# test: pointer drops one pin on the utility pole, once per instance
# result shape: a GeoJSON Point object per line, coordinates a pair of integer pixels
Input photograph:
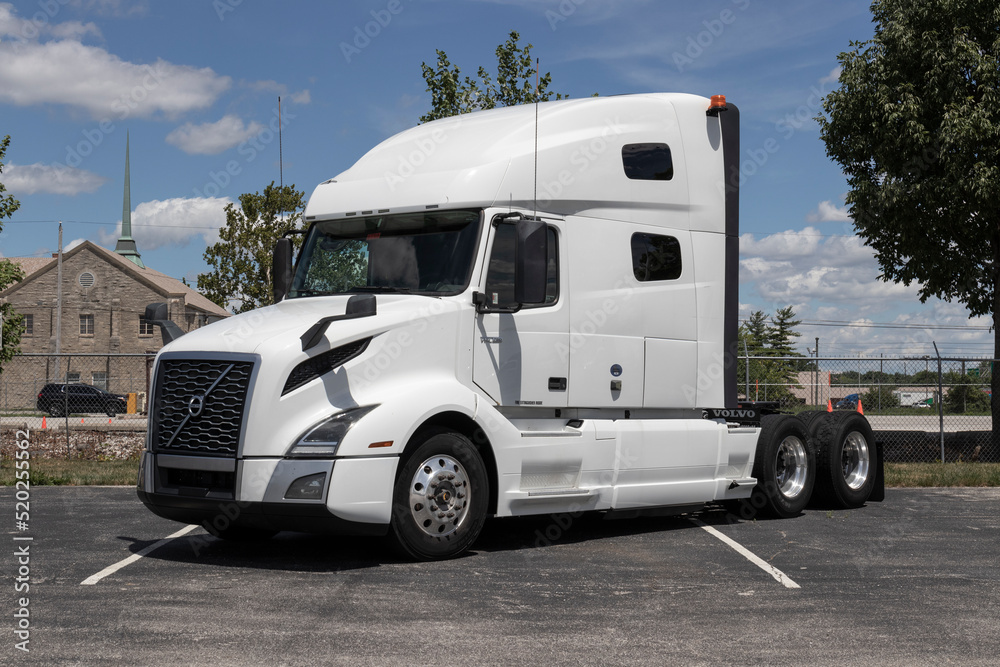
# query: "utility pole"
{"type": "Point", "coordinates": [58, 300]}
{"type": "Point", "coordinates": [816, 381]}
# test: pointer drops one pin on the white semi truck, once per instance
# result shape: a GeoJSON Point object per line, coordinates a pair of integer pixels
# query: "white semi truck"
{"type": "Point", "coordinates": [519, 311]}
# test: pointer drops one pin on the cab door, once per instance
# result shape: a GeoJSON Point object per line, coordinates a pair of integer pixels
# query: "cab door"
{"type": "Point", "coordinates": [521, 356]}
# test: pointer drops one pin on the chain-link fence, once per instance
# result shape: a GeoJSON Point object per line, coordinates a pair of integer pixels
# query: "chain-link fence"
{"type": "Point", "coordinates": [89, 405]}
{"type": "Point", "coordinates": [923, 409]}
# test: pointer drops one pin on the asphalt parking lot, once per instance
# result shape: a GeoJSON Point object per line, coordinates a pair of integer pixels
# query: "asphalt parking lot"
{"type": "Point", "coordinates": [913, 580]}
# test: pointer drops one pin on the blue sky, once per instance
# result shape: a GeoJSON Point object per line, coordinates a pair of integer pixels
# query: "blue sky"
{"type": "Point", "coordinates": [195, 84]}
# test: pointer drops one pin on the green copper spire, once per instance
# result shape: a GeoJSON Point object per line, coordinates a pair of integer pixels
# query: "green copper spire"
{"type": "Point", "coordinates": [126, 245]}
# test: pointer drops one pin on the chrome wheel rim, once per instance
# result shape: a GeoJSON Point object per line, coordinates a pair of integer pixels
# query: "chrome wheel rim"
{"type": "Point", "coordinates": [855, 460]}
{"type": "Point", "coordinates": [439, 496]}
{"type": "Point", "coordinates": [791, 467]}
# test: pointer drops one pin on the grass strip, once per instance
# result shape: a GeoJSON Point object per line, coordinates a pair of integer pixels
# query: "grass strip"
{"type": "Point", "coordinates": [916, 475]}
{"type": "Point", "coordinates": [73, 472]}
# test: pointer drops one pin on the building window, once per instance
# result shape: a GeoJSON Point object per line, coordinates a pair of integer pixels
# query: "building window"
{"type": "Point", "coordinates": [29, 325]}
{"type": "Point", "coordinates": [655, 257]}
{"type": "Point", "coordinates": [72, 378]}
{"type": "Point", "coordinates": [145, 327]}
{"type": "Point", "coordinates": [648, 162]}
{"type": "Point", "coordinates": [86, 325]}
{"type": "Point", "coordinates": [100, 380]}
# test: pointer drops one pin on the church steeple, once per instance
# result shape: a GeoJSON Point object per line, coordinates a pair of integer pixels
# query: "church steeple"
{"type": "Point", "coordinates": [126, 245]}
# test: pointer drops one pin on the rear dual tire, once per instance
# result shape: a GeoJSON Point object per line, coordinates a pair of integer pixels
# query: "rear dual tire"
{"type": "Point", "coordinates": [846, 459]}
{"type": "Point", "coordinates": [784, 466]}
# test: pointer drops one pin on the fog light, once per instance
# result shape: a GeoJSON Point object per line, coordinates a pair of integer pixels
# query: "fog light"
{"type": "Point", "coordinates": [309, 487]}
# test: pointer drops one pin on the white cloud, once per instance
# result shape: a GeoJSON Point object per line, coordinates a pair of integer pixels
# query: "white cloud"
{"type": "Point", "coordinates": [65, 71]}
{"type": "Point", "coordinates": [54, 179]}
{"type": "Point", "coordinates": [74, 30]}
{"type": "Point", "coordinates": [302, 97]}
{"type": "Point", "coordinates": [833, 76]}
{"type": "Point", "coordinates": [156, 223]}
{"type": "Point", "coordinates": [827, 211]}
{"type": "Point", "coordinates": [212, 138]}
{"type": "Point", "coordinates": [802, 266]}
{"type": "Point", "coordinates": [72, 244]}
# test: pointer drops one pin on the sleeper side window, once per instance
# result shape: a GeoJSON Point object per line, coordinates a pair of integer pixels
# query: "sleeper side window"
{"type": "Point", "coordinates": [500, 275]}
{"type": "Point", "coordinates": [648, 162]}
{"type": "Point", "coordinates": [655, 257]}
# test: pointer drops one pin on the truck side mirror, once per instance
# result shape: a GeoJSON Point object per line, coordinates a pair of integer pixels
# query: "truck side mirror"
{"type": "Point", "coordinates": [531, 258]}
{"type": "Point", "coordinates": [156, 314]}
{"type": "Point", "coordinates": [281, 269]}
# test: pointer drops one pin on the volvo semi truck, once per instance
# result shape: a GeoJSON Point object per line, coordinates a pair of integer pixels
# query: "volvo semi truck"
{"type": "Point", "coordinates": [512, 312]}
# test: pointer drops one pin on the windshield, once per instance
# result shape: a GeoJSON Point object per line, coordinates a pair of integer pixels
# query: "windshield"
{"type": "Point", "coordinates": [423, 253]}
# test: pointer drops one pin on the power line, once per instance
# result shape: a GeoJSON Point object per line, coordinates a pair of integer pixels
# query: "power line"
{"type": "Point", "coordinates": [95, 222]}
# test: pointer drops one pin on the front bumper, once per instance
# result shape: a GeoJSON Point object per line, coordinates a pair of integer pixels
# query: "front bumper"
{"type": "Point", "coordinates": [356, 497]}
{"type": "Point", "coordinates": [301, 517]}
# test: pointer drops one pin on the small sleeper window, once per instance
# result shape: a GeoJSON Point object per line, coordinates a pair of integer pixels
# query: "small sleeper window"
{"type": "Point", "coordinates": [648, 162]}
{"type": "Point", "coordinates": [655, 257]}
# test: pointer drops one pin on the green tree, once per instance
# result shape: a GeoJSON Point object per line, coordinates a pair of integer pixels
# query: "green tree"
{"type": "Point", "coordinates": [241, 260]}
{"type": "Point", "coordinates": [452, 95]}
{"type": "Point", "coordinates": [880, 397]}
{"type": "Point", "coordinates": [10, 273]}
{"type": "Point", "coordinates": [914, 125]}
{"type": "Point", "coordinates": [769, 339]}
{"type": "Point", "coordinates": [966, 393]}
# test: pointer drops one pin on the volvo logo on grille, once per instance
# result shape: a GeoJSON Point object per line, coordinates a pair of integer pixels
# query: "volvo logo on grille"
{"type": "Point", "coordinates": [196, 404]}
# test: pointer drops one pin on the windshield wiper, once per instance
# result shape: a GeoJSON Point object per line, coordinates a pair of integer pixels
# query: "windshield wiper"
{"type": "Point", "coordinates": [381, 288]}
{"type": "Point", "coordinates": [312, 292]}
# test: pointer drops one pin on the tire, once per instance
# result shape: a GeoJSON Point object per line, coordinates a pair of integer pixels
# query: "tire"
{"type": "Point", "coordinates": [109, 410]}
{"type": "Point", "coordinates": [847, 459]}
{"type": "Point", "coordinates": [440, 498]}
{"type": "Point", "coordinates": [240, 534]}
{"type": "Point", "coordinates": [785, 467]}
{"type": "Point", "coordinates": [810, 417]}
{"type": "Point", "coordinates": [55, 410]}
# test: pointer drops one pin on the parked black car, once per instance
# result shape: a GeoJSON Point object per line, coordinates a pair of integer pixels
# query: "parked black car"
{"type": "Point", "coordinates": [58, 399]}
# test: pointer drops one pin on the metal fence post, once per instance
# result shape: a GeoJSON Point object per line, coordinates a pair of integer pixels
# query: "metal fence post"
{"type": "Point", "coordinates": [940, 399]}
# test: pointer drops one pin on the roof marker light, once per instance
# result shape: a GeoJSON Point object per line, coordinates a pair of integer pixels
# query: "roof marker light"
{"type": "Point", "coordinates": [717, 104]}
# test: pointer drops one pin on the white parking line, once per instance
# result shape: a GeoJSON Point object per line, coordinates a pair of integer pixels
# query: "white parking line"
{"type": "Point", "coordinates": [780, 576]}
{"type": "Point", "coordinates": [111, 569]}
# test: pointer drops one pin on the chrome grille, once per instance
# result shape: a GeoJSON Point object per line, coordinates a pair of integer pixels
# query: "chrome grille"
{"type": "Point", "coordinates": [199, 406]}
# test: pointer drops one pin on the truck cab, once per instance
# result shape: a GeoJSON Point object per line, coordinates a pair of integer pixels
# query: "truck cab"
{"type": "Point", "coordinates": [511, 312]}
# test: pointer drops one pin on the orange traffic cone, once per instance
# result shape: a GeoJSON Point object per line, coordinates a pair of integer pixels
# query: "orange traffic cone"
{"type": "Point", "coordinates": [860, 407]}
{"type": "Point", "coordinates": [829, 405]}
{"type": "Point", "coordinates": [43, 423]}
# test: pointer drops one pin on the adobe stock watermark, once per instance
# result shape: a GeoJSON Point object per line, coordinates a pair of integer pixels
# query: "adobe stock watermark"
{"type": "Point", "coordinates": [249, 150]}
{"type": "Point", "coordinates": [583, 156]}
{"type": "Point", "coordinates": [562, 13]}
{"type": "Point", "coordinates": [31, 28]}
{"type": "Point", "coordinates": [364, 34]}
{"type": "Point", "coordinates": [122, 108]}
{"type": "Point", "coordinates": [754, 159]}
{"type": "Point", "coordinates": [703, 40]}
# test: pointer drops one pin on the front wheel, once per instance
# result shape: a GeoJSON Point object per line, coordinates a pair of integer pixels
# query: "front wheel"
{"type": "Point", "coordinates": [785, 466]}
{"type": "Point", "coordinates": [440, 498]}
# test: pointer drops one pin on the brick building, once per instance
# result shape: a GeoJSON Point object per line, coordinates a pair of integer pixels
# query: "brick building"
{"type": "Point", "coordinates": [104, 296]}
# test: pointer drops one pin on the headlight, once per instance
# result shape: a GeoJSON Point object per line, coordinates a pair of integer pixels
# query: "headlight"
{"type": "Point", "coordinates": [323, 439]}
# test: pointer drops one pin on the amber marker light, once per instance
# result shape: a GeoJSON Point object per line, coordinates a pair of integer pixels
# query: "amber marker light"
{"type": "Point", "coordinates": [375, 445]}
{"type": "Point", "coordinates": [717, 104]}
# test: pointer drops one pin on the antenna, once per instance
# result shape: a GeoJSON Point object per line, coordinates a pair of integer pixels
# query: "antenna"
{"type": "Point", "coordinates": [281, 166]}
{"type": "Point", "coordinates": [535, 196]}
